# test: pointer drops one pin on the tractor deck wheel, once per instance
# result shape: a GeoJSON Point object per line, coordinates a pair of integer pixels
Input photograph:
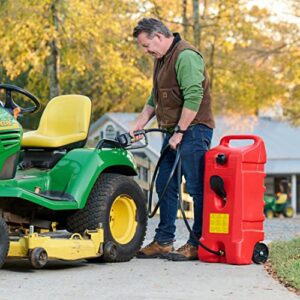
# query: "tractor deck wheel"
{"type": "Point", "coordinates": [4, 241]}
{"type": "Point", "coordinates": [38, 257]}
{"type": "Point", "coordinates": [119, 205]}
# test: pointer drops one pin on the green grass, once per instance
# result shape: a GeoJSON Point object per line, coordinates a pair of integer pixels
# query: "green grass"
{"type": "Point", "coordinates": [285, 260]}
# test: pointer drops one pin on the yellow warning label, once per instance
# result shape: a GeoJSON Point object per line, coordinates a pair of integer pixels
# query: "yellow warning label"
{"type": "Point", "coordinates": [219, 223]}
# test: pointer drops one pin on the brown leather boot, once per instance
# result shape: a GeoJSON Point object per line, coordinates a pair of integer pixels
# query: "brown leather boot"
{"type": "Point", "coordinates": [154, 250]}
{"type": "Point", "coordinates": [183, 253]}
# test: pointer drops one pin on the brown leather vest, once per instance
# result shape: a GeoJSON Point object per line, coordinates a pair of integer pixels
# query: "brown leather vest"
{"type": "Point", "coordinates": [168, 99]}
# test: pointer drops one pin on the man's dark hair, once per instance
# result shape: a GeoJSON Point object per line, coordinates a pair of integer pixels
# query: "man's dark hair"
{"type": "Point", "coordinates": [151, 26]}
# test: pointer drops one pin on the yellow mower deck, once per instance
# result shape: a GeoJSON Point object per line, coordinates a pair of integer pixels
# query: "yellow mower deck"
{"type": "Point", "coordinates": [39, 247]}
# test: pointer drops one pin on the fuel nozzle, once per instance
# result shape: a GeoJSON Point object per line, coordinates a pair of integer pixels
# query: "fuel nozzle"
{"type": "Point", "coordinates": [125, 139]}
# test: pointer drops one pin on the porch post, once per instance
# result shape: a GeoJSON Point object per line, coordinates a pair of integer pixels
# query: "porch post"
{"type": "Point", "coordinates": [294, 192]}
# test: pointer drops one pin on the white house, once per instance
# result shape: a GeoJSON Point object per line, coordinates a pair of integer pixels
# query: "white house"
{"type": "Point", "coordinates": [282, 143]}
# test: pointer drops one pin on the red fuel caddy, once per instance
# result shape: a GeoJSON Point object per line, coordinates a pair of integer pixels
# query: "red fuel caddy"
{"type": "Point", "coordinates": [233, 201]}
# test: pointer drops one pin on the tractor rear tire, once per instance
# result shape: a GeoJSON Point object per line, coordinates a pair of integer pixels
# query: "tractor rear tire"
{"type": "Point", "coordinates": [288, 211]}
{"type": "Point", "coordinates": [119, 205]}
{"type": "Point", "coordinates": [4, 241]}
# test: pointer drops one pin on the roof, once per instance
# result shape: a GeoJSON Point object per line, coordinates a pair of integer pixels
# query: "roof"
{"type": "Point", "coordinates": [126, 122]}
{"type": "Point", "coordinates": [282, 141]}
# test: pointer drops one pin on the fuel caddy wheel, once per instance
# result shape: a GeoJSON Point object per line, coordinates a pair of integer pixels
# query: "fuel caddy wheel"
{"type": "Point", "coordinates": [260, 253]}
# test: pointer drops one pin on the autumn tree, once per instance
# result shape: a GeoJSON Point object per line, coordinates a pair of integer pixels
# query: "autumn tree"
{"type": "Point", "coordinates": [73, 46]}
{"type": "Point", "coordinates": [56, 47]}
{"type": "Point", "coordinates": [231, 34]}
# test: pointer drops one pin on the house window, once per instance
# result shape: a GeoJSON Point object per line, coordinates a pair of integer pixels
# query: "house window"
{"type": "Point", "coordinates": [142, 173]}
{"type": "Point", "coordinates": [186, 205]}
{"type": "Point", "coordinates": [110, 132]}
{"type": "Point", "coordinates": [145, 174]}
{"type": "Point", "coordinates": [139, 172]}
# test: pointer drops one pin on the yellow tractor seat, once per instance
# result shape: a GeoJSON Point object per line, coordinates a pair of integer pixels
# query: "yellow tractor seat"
{"type": "Point", "coordinates": [281, 198]}
{"type": "Point", "coordinates": [64, 124]}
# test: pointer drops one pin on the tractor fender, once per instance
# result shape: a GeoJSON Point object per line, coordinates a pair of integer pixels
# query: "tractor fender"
{"type": "Point", "coordinates": [76, 173]}
{"type": "Point", "coordinates": [68, 184]}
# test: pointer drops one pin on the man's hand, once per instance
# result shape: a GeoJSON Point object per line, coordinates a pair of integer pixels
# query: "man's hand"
{"type": "Point", "coordinates": [187, 116]}
{"type": "Point", "coordinates": [136, 128]}
{"type": "Point", "coordinates": [146, 115]}
{"type": "Point", "coordinates": [175, 140]}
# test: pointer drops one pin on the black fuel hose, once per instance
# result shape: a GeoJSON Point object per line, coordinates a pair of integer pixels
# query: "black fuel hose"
{"type": "Point", "coordinates": [151, 213]}
{"type": "Point", "coordinates": [177, 164]}
{"type": "Point", "coordinates": [195, 238]}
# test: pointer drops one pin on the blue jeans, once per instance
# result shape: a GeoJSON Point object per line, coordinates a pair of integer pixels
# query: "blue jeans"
{"type": "Point", "coordinates": [194, 144]}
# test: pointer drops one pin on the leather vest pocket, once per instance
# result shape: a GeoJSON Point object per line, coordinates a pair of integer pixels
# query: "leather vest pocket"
{"type": "Point", "coordinates": [169, 107]}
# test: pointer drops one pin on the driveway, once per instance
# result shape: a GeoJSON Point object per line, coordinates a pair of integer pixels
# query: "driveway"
{"type": "Point", "coordinates": [147, 279]}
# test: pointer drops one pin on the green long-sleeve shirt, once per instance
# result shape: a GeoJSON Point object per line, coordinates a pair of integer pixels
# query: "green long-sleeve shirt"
{"type": "Point", "coordinates": [190, 74]}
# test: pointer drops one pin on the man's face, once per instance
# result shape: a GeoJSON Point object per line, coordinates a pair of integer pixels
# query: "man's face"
{"type": "Point", "coordinates": [154, 46]}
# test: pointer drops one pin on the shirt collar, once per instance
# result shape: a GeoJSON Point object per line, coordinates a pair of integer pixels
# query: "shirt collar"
{"type": "Point", "coordinates": [176, 39]}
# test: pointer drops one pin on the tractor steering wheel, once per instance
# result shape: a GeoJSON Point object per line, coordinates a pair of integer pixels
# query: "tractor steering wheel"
{"type": "Point", "coordinates": [11, 105]}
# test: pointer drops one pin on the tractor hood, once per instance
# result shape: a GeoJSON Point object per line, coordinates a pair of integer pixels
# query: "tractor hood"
{"type": "Point", "coordinates": [10, 143]}
{"type": "Point", "coordinates": [7, 122]}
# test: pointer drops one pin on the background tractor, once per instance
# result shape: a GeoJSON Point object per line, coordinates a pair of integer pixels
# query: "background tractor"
{"type": "Point", "coordinates": [278, 204]}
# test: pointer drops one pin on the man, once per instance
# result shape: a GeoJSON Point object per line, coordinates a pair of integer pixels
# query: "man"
{"type": "Point", "coordinates": [181, 101]}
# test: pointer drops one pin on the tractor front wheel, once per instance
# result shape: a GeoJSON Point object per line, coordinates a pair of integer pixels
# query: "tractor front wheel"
{"type": "Point", "coordinates": [269, 213]}
{"type": "Point", "coordinates": [119, 204]}
{"type": "Point", "coordinates": [4, 241]}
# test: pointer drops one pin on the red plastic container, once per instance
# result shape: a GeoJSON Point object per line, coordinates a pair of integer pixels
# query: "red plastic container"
{"type": "Point", "coordinates": [234, 224]}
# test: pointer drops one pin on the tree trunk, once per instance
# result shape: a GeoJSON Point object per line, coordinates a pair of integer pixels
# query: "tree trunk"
{"type": "Point", "coordinates": [53, 66]}
{"type": "Point", "coordinates": [212, 63]}
{"type": "Point", "coordinates": [204, 9]}
{"type": "Point", "coordinates": [203, 20]}
{"type": "Point", "coordinates": [184, 18]}
{"type": "Point", "coordinates": [213, 48]}
{"type": "Point", "coordinates": [196, 23]}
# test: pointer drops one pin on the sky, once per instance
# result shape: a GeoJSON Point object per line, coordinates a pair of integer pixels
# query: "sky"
{"type": "Point", "coordinates": [280, 8]}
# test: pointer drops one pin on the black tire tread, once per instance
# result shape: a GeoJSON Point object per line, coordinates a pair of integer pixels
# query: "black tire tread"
{"type": "Point", "coordinates": [96, 211]}
{"type": "Point", "coordinates": [4, 241]}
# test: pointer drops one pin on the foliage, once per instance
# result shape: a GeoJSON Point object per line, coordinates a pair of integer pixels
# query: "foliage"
{"type": "Point", "coordinates": [252, 60]}
{"type": "Point", "coordinates": [244, 52]}
{"type": "Point", "coordinates": [96, 53]}
{"type": "Point", "coordinates": [285, 260]}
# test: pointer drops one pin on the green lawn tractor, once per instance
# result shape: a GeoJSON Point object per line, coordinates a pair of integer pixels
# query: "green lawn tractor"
{"type": "Point", "coordinates": [59, 200]}
{"type": "Point", "coordinates": [276, 205]}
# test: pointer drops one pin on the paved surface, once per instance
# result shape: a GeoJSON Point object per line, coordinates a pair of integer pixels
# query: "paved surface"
{"type": "Point", "coordinates": [275, 229]}
{"type": "Point", "coordinates": [148, 279]}
{"type": "Point", "coordinates": [282, 228]}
